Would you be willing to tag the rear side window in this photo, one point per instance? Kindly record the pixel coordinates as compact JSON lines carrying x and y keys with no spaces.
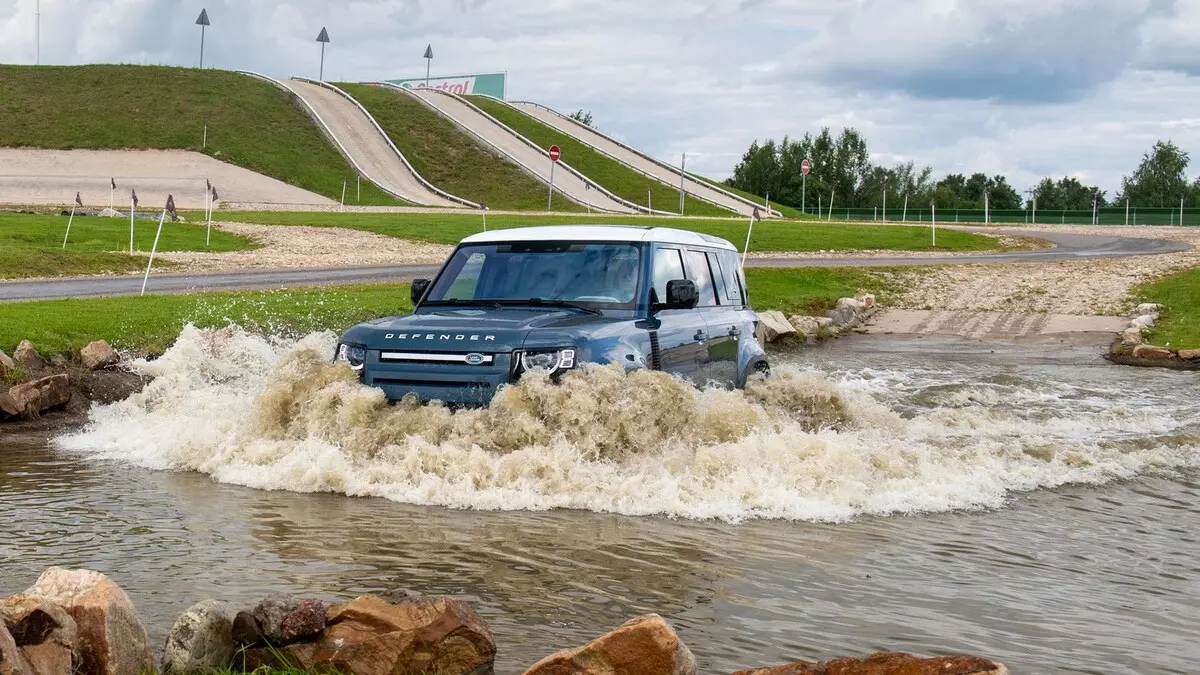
{"x":668,"y":266}
{"x":714,"y":264}
{"x":733,"y":278}
{"x":698,"y":268}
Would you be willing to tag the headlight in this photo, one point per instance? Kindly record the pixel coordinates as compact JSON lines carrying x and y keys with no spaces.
{"x":355,"y":355}
{"x":548,"y":362}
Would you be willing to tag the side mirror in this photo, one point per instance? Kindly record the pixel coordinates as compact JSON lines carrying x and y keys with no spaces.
{"x":417,"y":290}
{"x":681,"y":294}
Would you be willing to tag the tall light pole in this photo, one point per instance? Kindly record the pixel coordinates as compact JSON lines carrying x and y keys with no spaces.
{"x":323,"y":38}
{"x":37,"y":33}
{"x":428,"y":63}
{"x":202,"y":21}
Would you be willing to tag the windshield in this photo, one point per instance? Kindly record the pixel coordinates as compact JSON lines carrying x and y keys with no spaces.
{"x":602,"y":274}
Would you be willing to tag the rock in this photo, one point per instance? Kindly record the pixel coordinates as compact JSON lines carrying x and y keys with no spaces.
{"x":111,"y":640}
{"x":646,"y":645}
{"x":852,"y":305}
{"x":7,"y":365}
{"x":1148,"y":308}
{"x":1132,"y":336}
{"x":200,"y":641}
{"x":1144,"y":321}
{"x":307,"y":619}
{"x":1151,"y":352}
{"x":270,"y":613}
{"x":888,"y":663}
{"x":842,"y":316}
{"x":867,"y":299}
{"x":43,"y":631}
{"x":9,"y":406}
{"x":805,"y":325}
{"x":27,"y":357}
{"x":32,"y":398}
{"x":369,"y":636}
{"x":246,"y":630}
{"x":1189,"y":354}
{"x":774,"y":325}
{"x":97,"y":356}
{"x":12,"y":661}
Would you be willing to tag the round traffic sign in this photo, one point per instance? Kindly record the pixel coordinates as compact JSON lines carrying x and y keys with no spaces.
{"x":555,"y":153}
{"x":805,"y":167}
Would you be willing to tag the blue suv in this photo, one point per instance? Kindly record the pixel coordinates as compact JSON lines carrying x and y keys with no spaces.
{"x":548,"y":299}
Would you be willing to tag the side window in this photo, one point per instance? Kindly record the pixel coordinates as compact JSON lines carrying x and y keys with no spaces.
{"x":733,"y":289}
{"x":714,"y":264}
{"x":668,"y":266}
{"x":698,"y":268}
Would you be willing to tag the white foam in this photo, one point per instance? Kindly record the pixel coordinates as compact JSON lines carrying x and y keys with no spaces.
{"x":273,"y":414}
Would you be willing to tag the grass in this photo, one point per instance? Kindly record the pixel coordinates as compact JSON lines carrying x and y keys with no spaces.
{"x":787,"y":211}
{"x":450,"y":158}
{"x":1179,"y":294}
{"x":32,"y":246}
{"x":769,"y":235}
{"x":616,"y":177}
{"x":250,"y":123}
{"x":151,"y":323}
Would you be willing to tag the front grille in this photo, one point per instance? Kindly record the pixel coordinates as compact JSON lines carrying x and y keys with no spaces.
{"x":434,"y":357}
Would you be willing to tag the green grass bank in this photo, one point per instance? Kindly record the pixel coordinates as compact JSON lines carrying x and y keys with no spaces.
{"x":613,"y":175}
{"x":251,"y":123}
{"x":32,"y":246}
{"x":1179,"y":294}
{"x":449,"y":157}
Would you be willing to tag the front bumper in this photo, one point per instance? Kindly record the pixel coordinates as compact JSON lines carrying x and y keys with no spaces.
{"x":452,"y":381}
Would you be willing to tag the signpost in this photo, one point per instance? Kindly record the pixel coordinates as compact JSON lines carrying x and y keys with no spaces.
{"x":682,"y":173}
{"x":323,"y":38}
{"x":202,"y":21}
{"x":555,"y":153}
{"x":805,"y":167}
{"x":428,"y":63}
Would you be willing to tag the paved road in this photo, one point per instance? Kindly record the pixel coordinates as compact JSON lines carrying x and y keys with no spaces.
{"x":534,"y":160}
{"x":637,"y":161}
{"x":1069,"y":247}
{"x":364,"y":144}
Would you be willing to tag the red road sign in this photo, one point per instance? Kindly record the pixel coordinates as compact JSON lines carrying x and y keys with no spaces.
{"x":805,"y":167}
{"x":555,"y":153}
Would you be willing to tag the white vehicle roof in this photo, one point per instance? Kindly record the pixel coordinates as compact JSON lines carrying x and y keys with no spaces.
{"x":629,"y":233}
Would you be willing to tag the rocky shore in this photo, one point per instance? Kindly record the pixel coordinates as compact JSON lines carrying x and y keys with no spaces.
{"x":32,"y":386}
{"x":80,"y":622}
{"x":1130,"y":349}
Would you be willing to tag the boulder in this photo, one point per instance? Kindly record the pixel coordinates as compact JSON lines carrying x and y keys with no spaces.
{"x":1144,"y":321}
{"x":888,"y":663}
{"x":7,"y":365}
{"x":43,"y":631}
{"x":307,"y":619}
{"x":246,"y":630}
{"x":111,"y":640}
{"x":370,"y":636}
{"x":774,"y":325}
{"x":646,"y":645}
{"x":27,"y":357}
{"x":852,"y":305}
{"x":98,"y":355}
{"x":9,"y":406}
{"x":1148,"y":308}
{"x":32,"y":398}
{"x":805,"y":325}
{"x":1132,"y":336}
{"x":1189,"y":354}
{"x":867,"y":299}
{"x":12,"y":661}
{"x":283,"y":619}
{"x":200,"y":641}
{"x":1151,"y":352}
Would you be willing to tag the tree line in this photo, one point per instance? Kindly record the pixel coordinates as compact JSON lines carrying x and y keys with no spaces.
{"x":842,"y":170}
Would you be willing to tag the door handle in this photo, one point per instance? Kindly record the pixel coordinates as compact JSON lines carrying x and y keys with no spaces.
{"x":699,"y":336}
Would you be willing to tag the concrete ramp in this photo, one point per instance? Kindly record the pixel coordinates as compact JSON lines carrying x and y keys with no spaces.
{"x":365,"y":145}
{"x":636,"y":160}
{"x":990,"y":325}
{"x":519,"y":150}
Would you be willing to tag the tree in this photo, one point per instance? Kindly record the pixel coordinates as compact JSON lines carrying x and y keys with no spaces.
{"x":1160,"y":180}
{"x":1067,"y":193}
{"x":583,"y":117}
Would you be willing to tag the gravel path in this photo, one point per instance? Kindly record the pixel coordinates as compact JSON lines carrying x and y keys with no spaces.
{"x":1080,"y":287}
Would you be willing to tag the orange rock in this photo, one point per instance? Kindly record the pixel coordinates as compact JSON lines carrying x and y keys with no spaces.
{"x":888,"y":663}
{"x":1151,"y":352}
{"x":43,"y":631}
{"x":1189,"y":354}
{"x":646,"y":645}
{"x":34,"y":397}
{"x":111,"y":640}
{"x":12,"y":661}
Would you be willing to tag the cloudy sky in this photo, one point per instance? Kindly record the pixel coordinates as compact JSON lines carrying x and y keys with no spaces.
{"x":1026,"y":88}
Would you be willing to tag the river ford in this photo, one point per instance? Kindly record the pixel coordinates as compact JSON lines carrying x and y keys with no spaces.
{"x":1028,"y":503}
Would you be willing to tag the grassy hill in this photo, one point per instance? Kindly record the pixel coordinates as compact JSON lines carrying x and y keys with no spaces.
{"x":250,"y":123}
{"x":449,"y":157}
{"x":613,"y":175}
{"x":787,"y":211}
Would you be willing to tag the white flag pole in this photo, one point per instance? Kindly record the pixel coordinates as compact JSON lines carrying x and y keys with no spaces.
{"x":111,"y":190}
{"x":746,"y":248}
{"x":933,"y":221}
{"x":152,"y":250}
{"x":208,"y":210}
{"x":69,"y":221}
{"x":131,"y":207}
{"x":343,"y":194}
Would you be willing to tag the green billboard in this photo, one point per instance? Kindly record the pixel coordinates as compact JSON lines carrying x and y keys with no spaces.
{"x":490,"y":84}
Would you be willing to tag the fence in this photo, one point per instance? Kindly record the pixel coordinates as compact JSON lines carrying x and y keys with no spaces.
{"x":1104,"y":216}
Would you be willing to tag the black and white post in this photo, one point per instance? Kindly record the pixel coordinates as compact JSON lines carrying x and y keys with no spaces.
{"x":202,"y":21}
{"x":323,"y":38}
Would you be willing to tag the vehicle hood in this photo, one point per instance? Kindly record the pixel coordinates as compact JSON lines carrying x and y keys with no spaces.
{"x":458,"y":329}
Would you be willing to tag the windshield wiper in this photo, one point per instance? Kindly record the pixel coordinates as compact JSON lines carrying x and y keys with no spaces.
{"x":460,"y":302}
{"x":536,"y":302}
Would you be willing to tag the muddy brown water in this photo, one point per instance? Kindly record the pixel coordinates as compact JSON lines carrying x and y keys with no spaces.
{"x":1067,"y":573}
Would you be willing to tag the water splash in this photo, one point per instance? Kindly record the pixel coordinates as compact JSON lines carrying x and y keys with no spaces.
{"x":275,"y":414}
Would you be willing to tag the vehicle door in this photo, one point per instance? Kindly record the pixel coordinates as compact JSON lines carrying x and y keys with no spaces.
{"x":721,"y":343}
{"x":681,"y":334}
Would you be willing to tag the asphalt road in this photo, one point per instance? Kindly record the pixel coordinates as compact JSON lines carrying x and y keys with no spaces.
{"x":1068,"y":246}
